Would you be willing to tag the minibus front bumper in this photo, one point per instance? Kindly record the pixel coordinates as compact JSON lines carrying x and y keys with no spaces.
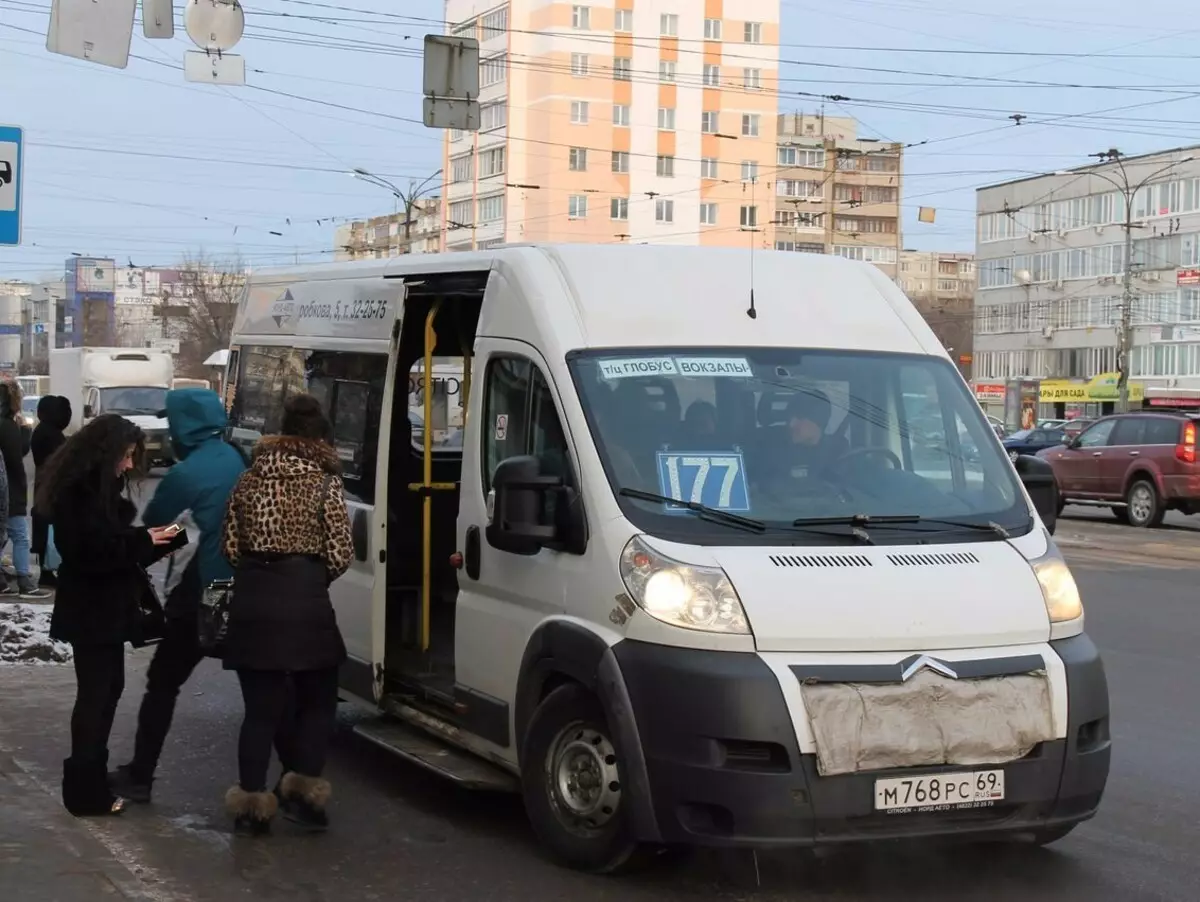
{"x":720,"y":762}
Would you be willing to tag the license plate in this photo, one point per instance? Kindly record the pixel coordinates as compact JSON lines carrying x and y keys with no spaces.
{"x":974,"y":789}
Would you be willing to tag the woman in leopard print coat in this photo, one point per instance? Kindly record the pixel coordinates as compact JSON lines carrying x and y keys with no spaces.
{"x":287,"y":535}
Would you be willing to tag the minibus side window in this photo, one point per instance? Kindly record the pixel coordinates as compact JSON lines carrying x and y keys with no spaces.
{"x":520,"y":419}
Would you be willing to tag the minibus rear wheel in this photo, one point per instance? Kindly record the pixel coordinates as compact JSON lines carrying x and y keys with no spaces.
{"x":571,"y":782}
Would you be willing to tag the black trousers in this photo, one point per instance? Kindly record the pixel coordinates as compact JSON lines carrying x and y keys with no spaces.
{"x":297,"y":711}
{"x":100,"y":680}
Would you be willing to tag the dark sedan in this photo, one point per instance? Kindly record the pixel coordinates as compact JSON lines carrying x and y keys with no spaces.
{"x":1031,"y":441}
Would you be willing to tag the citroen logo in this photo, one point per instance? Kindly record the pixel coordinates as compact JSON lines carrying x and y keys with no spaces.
{"x":924,"y":662}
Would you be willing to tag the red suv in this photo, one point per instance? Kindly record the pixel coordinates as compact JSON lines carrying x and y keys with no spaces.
{"x":1139,"y":464}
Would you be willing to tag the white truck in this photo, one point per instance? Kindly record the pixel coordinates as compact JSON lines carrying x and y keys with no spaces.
{"x":132,"y":382}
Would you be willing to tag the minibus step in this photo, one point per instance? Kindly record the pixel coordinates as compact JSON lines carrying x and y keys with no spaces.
{"x":424,"y":750}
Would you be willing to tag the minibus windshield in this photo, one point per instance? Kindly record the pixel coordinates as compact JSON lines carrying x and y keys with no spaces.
{"x":893,"y":444}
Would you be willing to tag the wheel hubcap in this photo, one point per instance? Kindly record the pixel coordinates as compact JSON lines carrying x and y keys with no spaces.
{"x":1012,"y":455}
{"x":1140,"y":504}
{"x":583,"y":780}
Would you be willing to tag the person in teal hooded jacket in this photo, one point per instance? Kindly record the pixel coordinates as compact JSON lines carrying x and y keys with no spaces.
{"x":200,"y":483}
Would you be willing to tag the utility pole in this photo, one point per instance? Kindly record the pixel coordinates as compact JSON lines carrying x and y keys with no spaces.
{"x":408,"y":198}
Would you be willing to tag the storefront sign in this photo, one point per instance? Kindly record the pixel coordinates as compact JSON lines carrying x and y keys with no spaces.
{"x":1095,"y":390}
{"x":989,"y":391}
{"x":1174,"y":402}
{"x":1187,"y":277}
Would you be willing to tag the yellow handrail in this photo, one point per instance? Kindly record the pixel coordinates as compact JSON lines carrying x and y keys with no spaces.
{"x":427,"y":479}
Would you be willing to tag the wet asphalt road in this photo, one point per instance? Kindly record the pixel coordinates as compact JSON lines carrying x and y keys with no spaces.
{"x":401,"y":834}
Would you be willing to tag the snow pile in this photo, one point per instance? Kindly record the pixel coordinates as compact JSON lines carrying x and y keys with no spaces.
{"x":25,"y":636}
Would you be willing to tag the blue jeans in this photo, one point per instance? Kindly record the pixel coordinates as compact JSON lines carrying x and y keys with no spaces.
{"x":18,"y":534}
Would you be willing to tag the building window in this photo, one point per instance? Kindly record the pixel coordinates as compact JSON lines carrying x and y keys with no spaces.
{"x":664,"y":211}
{"x":577,"y":206}
{"x":618,"y":208}
{"x":581,"y":17}
{"x":491,"y":162}
{"x":749,"y":170}
{"x":708,"y":168}
{"x":494,"y":115}
{"x":665,"y":166}
{"x":666,"y":118}
{"x":495,"y":23}
{"x":577,"y":159}
{"x":620,"y":161}
{"x":752,"y":79}
{"x":623,"y":21}
{"x":947,"y":285}
{"x":712,"y":29}
{"x":460,"y":214}
{"x":807,"y":157}
{"x":708,"y":214}
{"x":622,"y":68}
{"x":668,"y":25}
{"x":865,"y":253}
{"x":462,"y":169}
{"x":712,"y":75}
{"x":750,"y":125}
{"x":492,"y":70}
{"x":749,"y":217}
{"x":491,"y":208}
{"x":579,"y":64}
{"x":752,"y":33}
{"x":621,"y":114}
{"x":708,"y":122}
{"x":464,"y":29}
{"x":579,"y":112}
{"x":666,"y":70}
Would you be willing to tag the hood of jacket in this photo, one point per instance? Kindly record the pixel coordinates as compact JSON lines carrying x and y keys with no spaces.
{"x":54,"y":411}
{"x":194,"y":416}
{"x":288,"y":456}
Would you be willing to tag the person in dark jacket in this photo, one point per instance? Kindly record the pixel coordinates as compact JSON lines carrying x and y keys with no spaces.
{"x":54,"y":416}
{"x":14,"y":445}
{"x":287,"y":534}
{"x":84,"y":497}
{"x":200,"y":483}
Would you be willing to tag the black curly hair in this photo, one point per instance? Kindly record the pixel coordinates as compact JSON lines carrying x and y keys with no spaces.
{"x":304,"y":417}
{"x":89,"y":460}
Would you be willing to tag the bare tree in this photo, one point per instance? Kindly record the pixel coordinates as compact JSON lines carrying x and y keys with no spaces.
{"x":198,"y":310}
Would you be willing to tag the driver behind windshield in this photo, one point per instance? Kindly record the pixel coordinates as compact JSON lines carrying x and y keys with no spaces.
{"x":808,"y":450}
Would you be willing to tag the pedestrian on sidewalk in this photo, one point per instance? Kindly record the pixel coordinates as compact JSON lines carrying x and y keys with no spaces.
{"x":84,"y":496}
{"x":54,"y":416}
{"x":208,"y":467}
{"x":14,"y":445}
{"x":287,"y":534}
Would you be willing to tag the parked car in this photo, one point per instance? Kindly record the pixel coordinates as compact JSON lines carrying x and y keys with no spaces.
{"x":1031,"y":441}
{"x":1073,"y":427}
{"x":1138,"y":464}
{"x":1051,"y":424}
{"x":997,"y":425}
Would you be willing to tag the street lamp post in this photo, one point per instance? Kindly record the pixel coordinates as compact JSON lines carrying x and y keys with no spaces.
{"x":408,"y":198}
{"x":1125,"y":327}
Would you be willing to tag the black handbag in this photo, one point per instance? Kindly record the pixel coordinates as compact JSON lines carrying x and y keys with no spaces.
{"x":213,"y":613}
{"x":150,"y":619}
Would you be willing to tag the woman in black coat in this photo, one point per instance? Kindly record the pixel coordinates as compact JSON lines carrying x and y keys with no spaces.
{"x":287,"y":534}
{"x":54,"y":416}
{"x":83,"y":495}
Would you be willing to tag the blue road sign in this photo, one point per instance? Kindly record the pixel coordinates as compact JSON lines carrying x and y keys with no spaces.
{"x":12,"y":148}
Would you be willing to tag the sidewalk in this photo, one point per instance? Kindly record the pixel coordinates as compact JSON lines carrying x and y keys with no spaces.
{"x":46,"y":855}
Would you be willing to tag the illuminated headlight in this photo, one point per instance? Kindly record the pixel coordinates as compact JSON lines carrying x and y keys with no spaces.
{"x":695,"y":598}
{"x":1061,"y":595}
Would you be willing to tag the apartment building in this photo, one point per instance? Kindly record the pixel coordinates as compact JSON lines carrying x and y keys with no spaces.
{"x":1051,"y":261}
{"x":617,"y":120}
{"x":392,"y":235}
{"x":837,"y":193}
{"x":942,"y":286}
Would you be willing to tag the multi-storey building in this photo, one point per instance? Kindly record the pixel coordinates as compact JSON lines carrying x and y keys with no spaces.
{"x":942,"y":286}
{"x":837,"y":193}
{"x":617,"y":120}
{"x":392,"y":235}
{"x":1051,"y":264}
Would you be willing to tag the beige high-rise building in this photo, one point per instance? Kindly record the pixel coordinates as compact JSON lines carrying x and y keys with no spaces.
{"x":942,"y":287}
{"x":392,"y":235}
{"x":837,"y":193}
{"x":617,"y":120}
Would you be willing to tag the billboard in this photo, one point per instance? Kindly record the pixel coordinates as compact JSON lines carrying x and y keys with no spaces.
{"x":95,"y":276}
{"x":88,"y":309}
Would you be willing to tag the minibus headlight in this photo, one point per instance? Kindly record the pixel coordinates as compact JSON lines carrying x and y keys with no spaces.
{"x":1058,"y":589}
{"x":695,"y":598}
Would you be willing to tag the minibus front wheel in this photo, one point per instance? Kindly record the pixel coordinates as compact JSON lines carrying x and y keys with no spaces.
{"x":571,"y":782}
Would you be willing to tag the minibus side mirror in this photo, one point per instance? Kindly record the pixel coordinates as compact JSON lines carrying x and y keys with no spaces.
{"x":519,"y":513}
{"x":1038,"y":478}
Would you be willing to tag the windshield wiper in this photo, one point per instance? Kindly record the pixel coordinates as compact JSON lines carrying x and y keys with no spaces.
{"x":867,"y":521}
{"x":716,"y":515}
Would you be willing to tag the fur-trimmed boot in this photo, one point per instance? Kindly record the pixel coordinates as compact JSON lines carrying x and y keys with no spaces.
{"x":304,"y":800}
{"x":252,"y":811}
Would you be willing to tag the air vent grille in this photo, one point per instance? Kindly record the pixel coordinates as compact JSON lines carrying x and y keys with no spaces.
{"x":820,"y":560}
{"x":944,"y":559}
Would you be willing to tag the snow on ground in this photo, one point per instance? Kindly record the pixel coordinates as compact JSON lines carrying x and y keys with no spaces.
{"x":25,"y":636}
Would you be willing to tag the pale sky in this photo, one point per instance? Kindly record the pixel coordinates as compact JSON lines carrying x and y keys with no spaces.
{"x":140,"y":165}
